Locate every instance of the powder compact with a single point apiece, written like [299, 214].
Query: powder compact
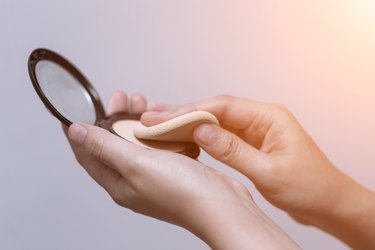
[69, 96]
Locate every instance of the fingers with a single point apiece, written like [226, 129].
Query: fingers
[94, 155]
[118, 103]
[138, 104]
[155, 111]
[106, 177]
[156, 107]
[248, 119]
[106, 148]
[230, 111]
[234, 112]
[164, 113]
[230, 149]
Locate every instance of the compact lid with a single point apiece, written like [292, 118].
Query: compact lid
[63, 89]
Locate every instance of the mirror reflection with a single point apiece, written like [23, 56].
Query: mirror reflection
[65, 92]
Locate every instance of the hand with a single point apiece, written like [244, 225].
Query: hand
[173, 187]
[267, 144]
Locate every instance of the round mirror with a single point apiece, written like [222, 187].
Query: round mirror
[71, 98]
[63, 89]
[65, 93]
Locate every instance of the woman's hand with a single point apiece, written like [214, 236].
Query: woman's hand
[173, 187]
[267, 144]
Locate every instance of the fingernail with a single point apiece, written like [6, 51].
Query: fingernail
[206, 134]
[77, 133]
[111, 103]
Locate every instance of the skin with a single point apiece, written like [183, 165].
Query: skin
[267, 144]
[173, 187]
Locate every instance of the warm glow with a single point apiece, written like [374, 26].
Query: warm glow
[369, 9]
[364, 12]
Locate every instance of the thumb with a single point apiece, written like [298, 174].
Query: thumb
[109, 149]
[230, 149]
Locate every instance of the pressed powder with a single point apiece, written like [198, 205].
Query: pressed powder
[125, 128]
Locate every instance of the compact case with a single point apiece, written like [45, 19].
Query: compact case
[70, 97]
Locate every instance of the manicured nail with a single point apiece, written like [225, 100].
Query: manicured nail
[77, 133]
[206, 134]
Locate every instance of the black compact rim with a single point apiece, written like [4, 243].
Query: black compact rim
[46, 54]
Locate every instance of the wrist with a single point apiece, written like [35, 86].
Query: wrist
[351, 216]
[240, 225]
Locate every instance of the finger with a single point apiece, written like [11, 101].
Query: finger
[138, 104]
[105, 176]
[164, 114]
[65, 129]
[252, 120]
[155, 111]
[107, 148]
[231, 150]
[230, 111]
[157, 107]
[118, 103]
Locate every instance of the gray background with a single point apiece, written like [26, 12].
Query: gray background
[317, 58]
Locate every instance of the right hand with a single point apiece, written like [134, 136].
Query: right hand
[267, 144]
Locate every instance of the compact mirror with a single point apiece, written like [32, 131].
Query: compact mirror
[63, 89]
[65, 92]
[69, 96]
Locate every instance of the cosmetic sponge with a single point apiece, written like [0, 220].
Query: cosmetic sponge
[178, 129]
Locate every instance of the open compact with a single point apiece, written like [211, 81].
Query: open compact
[69, 96]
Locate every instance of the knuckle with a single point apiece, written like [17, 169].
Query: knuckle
[128, 197]
[119, 200]
[281, 111]
[231, 148]
[238, 186]
[119, 197]
[241, 188]
[270, 174]
[280, 108]
[223, 98]
[79, 159]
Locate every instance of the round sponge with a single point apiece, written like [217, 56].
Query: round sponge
[179, 129]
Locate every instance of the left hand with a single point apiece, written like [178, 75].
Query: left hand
[173, 187]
